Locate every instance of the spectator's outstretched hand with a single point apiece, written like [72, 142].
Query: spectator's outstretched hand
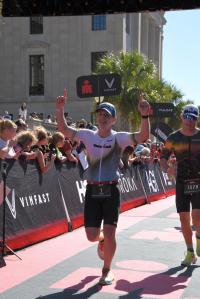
[143, 106]
[61, 100]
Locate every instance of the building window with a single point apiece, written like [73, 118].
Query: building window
[36, 75]
[36, 25]
[95, 57]
[99, 22]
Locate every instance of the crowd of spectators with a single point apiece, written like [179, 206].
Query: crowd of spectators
[18, 141]
[142, 153]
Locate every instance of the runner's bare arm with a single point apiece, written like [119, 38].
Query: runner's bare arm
[61, 121]
[144, 132]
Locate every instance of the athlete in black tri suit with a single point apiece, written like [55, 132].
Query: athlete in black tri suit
[185, 145]
[103, 148]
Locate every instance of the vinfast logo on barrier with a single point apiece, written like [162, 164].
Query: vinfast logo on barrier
[26, 201]
[34, 199]
[11, 205]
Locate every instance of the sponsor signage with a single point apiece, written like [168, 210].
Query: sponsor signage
[40, 206]
[98, 85]
[162, 109]
[109, 84]
[161, 131]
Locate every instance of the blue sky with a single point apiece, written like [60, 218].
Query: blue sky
[181, 52]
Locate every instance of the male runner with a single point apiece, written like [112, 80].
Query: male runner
[104, 148]
[185, 145]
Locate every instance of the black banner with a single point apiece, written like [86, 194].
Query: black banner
[32, 200]
[161, 131]
[162, 109]
[40, 206]
[98, 85]
[109, 84]
[130, 184]
[73, 185]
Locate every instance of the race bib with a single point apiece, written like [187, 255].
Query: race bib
[101, 191]
[191, 186]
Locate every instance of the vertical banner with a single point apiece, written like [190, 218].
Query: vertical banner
[73, 185]
[152, 181]
[132, 193]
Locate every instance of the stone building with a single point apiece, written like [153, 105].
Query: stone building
[40, 56]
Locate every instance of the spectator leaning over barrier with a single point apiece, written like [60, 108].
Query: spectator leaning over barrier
[142, 153]
[102, 199]
[56, 142]
[184, 144]
[24, 141]
[45, 161]
[66, 150]
[127, 156]
[7, 134]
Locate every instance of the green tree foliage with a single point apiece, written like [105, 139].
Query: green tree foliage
[138, 76]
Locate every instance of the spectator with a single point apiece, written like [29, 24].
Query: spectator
[127, 156]
[69, 121]
[81, 123]
[155, 149]
[24, 141]
[67, 151]
[48, 119]
[7, 134]
[23, 111]
[43, 149]
[34, 115]
[56, 143]
[92, 127]
[21, 125]
[142, 153]
[7, 115]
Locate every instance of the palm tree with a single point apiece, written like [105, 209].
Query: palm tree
[138, 75]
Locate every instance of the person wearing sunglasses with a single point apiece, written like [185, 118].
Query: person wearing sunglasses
[184, 144]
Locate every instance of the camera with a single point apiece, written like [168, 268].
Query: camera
[52, 151]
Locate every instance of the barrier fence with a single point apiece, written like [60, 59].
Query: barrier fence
[41, 206]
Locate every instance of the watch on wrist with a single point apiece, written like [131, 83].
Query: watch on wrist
[144, 116]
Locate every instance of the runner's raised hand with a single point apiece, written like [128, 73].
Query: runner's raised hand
[61, 100]
[143, 106]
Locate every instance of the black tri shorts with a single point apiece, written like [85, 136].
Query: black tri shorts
[184, 202]
[103, 207]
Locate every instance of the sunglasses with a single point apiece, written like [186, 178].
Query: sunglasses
[190, 117]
